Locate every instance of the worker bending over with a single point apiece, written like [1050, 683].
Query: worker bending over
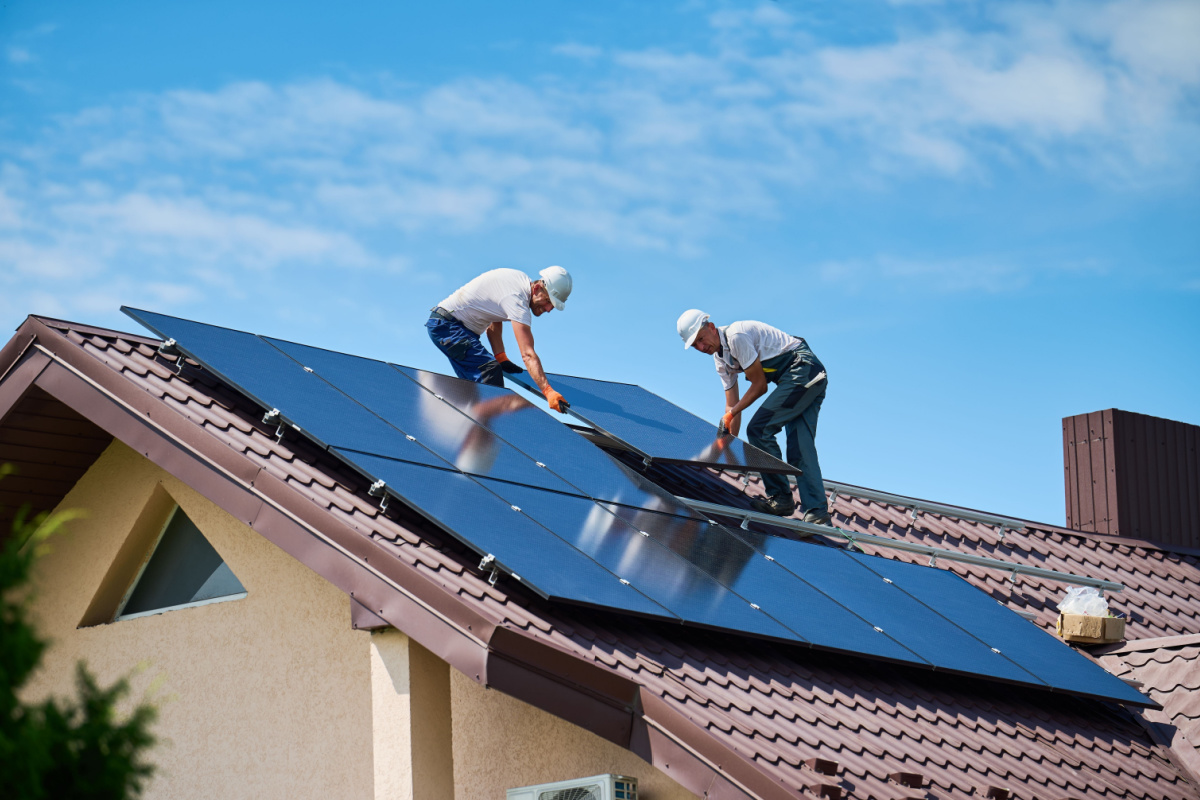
[483, 305]
[768, 355]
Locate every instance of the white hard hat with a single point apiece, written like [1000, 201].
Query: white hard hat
[558, 285]
[689, 325]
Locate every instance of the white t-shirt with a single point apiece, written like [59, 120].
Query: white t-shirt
[744, 342]
[495, 296]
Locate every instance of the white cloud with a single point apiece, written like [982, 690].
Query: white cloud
[655, 149]
[19, 55]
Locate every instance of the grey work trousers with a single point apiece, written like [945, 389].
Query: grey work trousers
[794, 409]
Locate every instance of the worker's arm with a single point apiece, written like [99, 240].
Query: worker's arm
[758, 387]
[495, 334]
[732, 395]
[524, 336]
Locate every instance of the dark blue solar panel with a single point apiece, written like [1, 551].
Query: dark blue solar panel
[813, 616]
[656, 571]
[1044, 655]
[436, 424]
[568, 547]
[573, 458]
[848, 581]
[657, 428]
[276, 381]
[488, 524]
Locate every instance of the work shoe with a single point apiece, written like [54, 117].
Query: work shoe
[778, 506]
[817, 516]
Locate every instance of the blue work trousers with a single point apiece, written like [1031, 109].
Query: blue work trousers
[792, 408]
[466, 352]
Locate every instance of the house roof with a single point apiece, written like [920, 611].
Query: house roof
[724, 715]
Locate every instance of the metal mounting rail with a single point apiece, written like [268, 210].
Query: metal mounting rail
[934, 553]
[914, 505]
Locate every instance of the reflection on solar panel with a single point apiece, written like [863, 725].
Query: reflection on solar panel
[395, 398]
[567, 520]
[655, 428]
[588, 469]
[491, 525]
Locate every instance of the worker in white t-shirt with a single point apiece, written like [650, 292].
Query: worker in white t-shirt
[768, 355]
[483, 306]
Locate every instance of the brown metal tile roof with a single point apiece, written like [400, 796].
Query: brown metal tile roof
[726, 716]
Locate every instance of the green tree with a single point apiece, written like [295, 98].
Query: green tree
[79, 748]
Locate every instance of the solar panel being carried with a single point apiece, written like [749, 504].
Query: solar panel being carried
[654, 428]
[565, 519]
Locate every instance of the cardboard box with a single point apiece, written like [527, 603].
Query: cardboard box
[1090, 630]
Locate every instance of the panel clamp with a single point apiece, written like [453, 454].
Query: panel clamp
[170, 349]
[488, 564]
[379, 489]
[275, 417]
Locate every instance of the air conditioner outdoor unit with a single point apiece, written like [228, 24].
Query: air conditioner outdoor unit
[597, 787]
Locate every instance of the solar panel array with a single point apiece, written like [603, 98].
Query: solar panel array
[573, 524]
[655, 428]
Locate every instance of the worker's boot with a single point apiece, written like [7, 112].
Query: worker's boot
[817, 516]
[781, 506]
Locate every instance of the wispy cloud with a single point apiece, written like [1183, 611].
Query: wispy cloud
[653, 149]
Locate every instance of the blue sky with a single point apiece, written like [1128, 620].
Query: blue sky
[983, 217]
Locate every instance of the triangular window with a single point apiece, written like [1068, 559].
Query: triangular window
[184, 570]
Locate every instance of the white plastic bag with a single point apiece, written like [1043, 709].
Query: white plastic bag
[1085, 600]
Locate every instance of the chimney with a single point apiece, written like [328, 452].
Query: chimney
[1132, 475]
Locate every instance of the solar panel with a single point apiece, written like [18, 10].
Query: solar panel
[947, 621]
[655, 428]
[464, 508]
[565, 453]
[438, 425]
[812, 615]
[1042, 654]
[664, 576]
[274, 380]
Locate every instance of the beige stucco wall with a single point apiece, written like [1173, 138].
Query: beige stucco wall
[502, 743]
[266, 697]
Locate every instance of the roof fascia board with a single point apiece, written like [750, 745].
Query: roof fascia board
[16, 383]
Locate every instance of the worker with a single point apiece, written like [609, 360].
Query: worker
[768, 355]
[483, 305]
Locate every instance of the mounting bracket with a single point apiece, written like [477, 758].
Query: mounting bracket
[488, 564]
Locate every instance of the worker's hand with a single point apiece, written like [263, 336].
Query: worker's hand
[557, 401]
[507, 365]
[726, 424]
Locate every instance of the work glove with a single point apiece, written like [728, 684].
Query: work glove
[725, 425]
[507, 365]
[557, 401]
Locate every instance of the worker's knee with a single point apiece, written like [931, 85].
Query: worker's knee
[760, 430]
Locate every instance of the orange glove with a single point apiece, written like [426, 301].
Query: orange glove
[726, 426]
[557, 401]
